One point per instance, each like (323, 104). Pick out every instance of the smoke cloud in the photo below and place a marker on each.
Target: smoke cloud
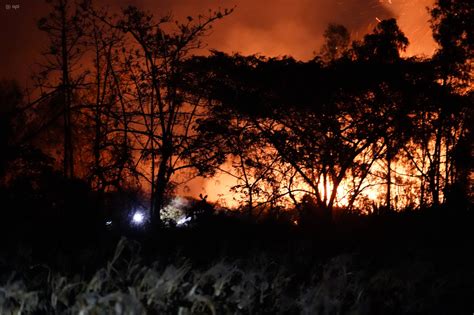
(267, 27)
(277, 27)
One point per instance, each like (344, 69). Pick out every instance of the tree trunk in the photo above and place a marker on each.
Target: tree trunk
(435, 172)
(68, 148)
(388, 196)
(160, 185)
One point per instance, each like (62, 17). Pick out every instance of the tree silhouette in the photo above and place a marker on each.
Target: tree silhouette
(453, 62)
(112, 166)
(337, 40)
(10, 101)
(384, 44)
(453, 32)
(162, 111)
(66, 28)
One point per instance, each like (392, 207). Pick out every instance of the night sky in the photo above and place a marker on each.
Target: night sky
(267, 27)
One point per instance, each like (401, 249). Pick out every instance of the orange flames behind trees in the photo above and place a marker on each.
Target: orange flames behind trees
(365, 130)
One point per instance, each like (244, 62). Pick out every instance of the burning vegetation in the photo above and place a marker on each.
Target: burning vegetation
(319, 156)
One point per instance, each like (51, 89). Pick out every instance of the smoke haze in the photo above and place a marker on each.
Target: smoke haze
(267, 27)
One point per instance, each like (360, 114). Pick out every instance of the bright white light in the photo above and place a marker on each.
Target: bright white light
(138, 217)
(108, 223)
(183, 220)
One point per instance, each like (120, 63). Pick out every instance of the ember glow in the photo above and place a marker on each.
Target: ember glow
(413, 18)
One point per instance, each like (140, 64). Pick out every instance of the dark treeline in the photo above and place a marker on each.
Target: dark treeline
(123, 106)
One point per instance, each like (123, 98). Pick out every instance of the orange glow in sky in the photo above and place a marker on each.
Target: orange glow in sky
(267, 27)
